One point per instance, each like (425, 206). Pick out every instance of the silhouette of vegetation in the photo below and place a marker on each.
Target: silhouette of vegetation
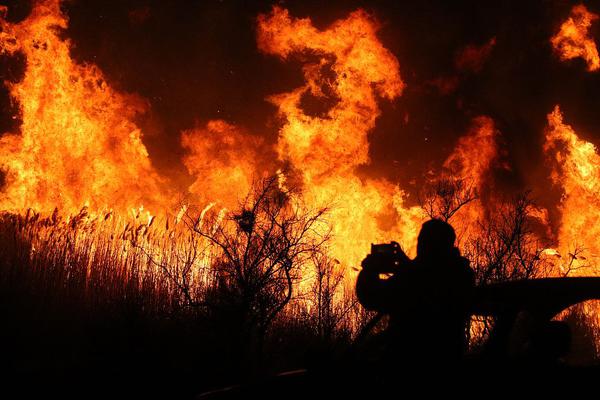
(223, 287)
(257, 257)
(207, 297)
(444, 197)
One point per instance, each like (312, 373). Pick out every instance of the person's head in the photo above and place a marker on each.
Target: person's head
(435, 239)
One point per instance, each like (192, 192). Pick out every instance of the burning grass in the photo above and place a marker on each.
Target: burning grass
(225, 286)
(207, 295)
(91, 256)
(153, 295)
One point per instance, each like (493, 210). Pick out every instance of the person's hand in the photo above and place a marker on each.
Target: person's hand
(379, 263)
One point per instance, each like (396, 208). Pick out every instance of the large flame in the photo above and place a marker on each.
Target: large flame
(471, 163)
(225, 160)
(577, 172)
(351, 68)
(573, 40)
(475, 153)
(78, 143)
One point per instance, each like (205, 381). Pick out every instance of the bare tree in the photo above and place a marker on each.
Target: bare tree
(504, 247)
(261, 251)
(442, 198)
(577, 260)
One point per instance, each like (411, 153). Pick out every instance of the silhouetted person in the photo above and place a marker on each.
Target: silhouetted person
(426, 298)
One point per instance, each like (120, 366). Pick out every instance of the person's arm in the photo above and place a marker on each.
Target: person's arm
(374, 293)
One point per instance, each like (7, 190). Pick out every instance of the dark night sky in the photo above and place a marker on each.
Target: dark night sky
(198, 60)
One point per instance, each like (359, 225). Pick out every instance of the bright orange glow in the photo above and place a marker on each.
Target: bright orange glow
(471, 162)
(573, 39)
(351, 67)
(362, 71)
(475, 152)
(577, 172)
(218, 153)
(78, 143)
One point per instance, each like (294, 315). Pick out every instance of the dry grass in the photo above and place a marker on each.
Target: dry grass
(162, 265)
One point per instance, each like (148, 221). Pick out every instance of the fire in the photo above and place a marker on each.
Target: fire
(78, 143)
(350, 66)
(362, 70)
(471, 162)
(222, 152)
(573, 39)
(577, 172)
(475, 153)
(347, 63)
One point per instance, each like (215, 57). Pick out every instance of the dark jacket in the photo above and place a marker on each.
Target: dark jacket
(427, 301)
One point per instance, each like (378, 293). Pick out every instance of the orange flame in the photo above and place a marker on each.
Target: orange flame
(472, 161)
(573, 39)
(577, 172)
(353, 69)
(475, 153)
(220, 153)
(78, 143)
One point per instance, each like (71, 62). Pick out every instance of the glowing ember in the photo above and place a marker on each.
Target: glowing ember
(573, 39)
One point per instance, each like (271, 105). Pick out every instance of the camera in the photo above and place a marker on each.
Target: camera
(392, 253)
(391, 248)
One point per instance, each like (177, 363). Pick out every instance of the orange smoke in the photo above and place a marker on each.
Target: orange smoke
(573, 39)
(77, 144)
(577, 172)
